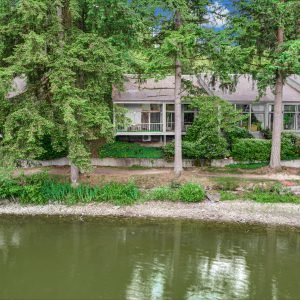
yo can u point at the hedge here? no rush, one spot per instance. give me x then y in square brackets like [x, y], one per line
[260, 150]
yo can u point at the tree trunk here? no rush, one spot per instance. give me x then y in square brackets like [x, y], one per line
[74, 176]
[178, 117]
[275, 162]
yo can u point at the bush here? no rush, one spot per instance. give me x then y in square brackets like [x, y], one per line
[129, 150]
[197, 150]
[191, 192]
[189, 150]
[251, 150]
[236, 133]
[260, 150]
[49, 151]
[119, 194]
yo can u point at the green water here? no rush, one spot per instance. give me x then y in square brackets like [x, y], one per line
[133, 259]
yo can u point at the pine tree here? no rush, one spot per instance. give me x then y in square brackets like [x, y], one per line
[264, 42]
[71, 52]
[176, 41]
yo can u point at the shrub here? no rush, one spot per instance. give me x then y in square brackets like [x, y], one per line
[189, 150]
[119, 194]
[252, 150]
[191, 192]
[10, 189]
[236, 133]
[260, 150]
[50, 152]
[129, 150]
[216, 148]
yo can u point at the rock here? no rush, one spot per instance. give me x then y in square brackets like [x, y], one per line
[295, 190]
[5, 202]
[214, 197]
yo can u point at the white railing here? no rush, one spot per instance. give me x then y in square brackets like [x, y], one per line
[152, 127]
[171, 126]
[144, 127]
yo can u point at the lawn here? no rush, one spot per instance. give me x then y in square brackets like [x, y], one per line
[129, 150]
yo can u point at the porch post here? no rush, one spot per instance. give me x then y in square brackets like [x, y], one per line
[164, 120]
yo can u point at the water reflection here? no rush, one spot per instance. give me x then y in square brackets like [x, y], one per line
[142, 260]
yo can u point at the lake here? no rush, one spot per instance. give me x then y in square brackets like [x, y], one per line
[108, 258]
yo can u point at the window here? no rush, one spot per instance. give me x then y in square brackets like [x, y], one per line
[254, 116]
[289, 117]
[257, 117]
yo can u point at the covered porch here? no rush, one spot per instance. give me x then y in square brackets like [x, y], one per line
[154, 119]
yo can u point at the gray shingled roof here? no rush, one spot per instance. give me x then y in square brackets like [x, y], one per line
[163, 90]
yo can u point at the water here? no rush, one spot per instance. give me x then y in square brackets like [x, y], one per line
[132, 259]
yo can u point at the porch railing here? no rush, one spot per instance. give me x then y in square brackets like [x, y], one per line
[152, 127]
[171, 126]
[144, 127]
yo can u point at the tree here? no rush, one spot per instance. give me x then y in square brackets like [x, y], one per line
[264, 43]
[71, 53]
[176, 41]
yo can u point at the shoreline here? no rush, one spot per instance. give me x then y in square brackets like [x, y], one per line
[236, 212]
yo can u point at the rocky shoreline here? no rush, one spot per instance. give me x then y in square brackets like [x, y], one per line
[240, 212]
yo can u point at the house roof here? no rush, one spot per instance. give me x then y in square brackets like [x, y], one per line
[245, 91]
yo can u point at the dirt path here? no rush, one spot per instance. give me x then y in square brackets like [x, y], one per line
[230, 211]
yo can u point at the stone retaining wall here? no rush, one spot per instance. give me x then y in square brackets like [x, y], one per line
[110, 162]
[143, 162]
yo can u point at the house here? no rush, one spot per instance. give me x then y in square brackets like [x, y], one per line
[150, 106]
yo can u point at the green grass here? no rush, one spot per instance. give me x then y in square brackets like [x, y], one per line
[269, 197]
[229, 196]
[129, 150]
[250, 166]
[188, 192]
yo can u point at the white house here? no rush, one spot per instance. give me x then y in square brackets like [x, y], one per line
[150, 106]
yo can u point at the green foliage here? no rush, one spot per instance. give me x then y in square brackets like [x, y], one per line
[191, 192]
[236, 133]
[129, 150]
[267, 133]
[260, 150]
[163, 193]
[249, 166]
[274, 194]
[229, 196]
[71, 53]
[40, 189]
[205, 138]
[119, 194]
[188, 192]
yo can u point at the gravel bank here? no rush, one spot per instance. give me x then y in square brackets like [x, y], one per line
[230, 211]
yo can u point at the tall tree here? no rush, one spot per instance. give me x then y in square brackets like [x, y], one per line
[176, 40]
[264, 43]
[71, 52]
